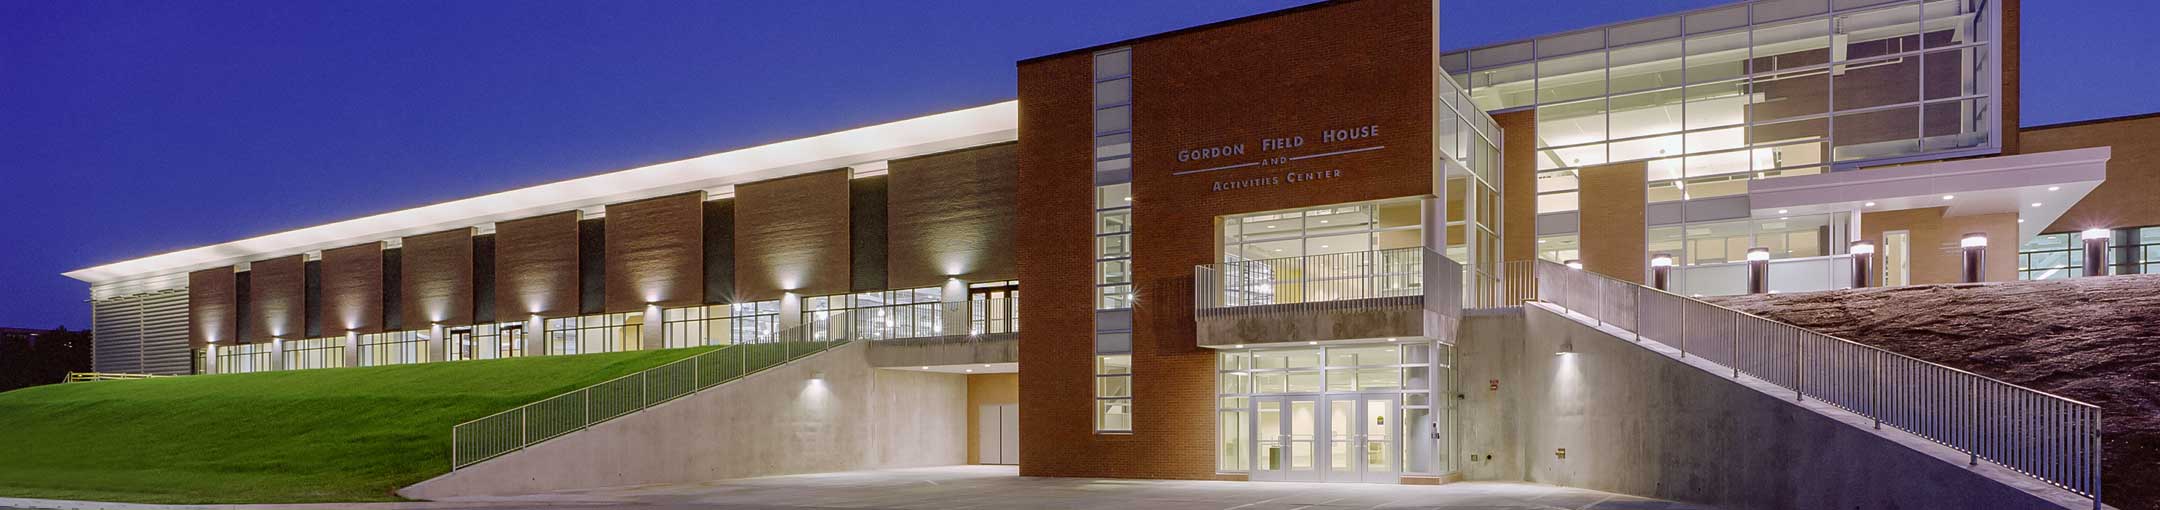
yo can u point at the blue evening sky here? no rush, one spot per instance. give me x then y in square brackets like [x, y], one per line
[130, 128]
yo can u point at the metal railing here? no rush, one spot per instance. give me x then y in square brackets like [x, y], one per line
[1508, 284]
[508, 431]
[1310, 280]
[993, 315]
[106, 376]
[2048, 437]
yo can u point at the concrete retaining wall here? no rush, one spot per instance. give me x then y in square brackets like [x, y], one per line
[776, 422]
[1635, 420]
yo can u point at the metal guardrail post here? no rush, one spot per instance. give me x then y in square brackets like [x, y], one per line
[587, 422]
[1973, 425]
[1799, 354]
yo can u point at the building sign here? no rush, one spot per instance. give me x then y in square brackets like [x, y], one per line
[1277, 152]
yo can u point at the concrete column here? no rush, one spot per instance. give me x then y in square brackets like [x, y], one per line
[1434, 209]
[277, 353]
[1863, 257]
[2096, 245]
[1758, 270]
[954, 307]
[1975, 247]
[1661, 271]
[438, 348]
[652, 335]
[535, 336]
[352, 349]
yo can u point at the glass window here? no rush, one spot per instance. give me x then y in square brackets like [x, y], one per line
[2052, 257]
[1113, 393]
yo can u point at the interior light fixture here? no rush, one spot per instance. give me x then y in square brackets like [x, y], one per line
[1948, 197]
[1783, 211]
[2054, 188]
[1869, 204]
[1312, 343]
[2036, 204]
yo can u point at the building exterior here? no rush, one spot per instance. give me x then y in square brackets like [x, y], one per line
[1246, 245]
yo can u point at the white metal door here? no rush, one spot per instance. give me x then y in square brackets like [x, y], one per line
[1009, 433]
[989, 448]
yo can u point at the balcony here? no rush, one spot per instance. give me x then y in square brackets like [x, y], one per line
[1397, 293]
[991, 335]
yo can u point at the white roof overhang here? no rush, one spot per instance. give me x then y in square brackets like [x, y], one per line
[2052, 180]
[870, 145]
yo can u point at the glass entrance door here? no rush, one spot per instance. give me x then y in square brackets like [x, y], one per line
[1336, 438]
[1285, 429]
[1379, 459]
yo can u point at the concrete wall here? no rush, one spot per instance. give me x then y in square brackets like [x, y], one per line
[776, 422]
[1488, 365]
[1634, 420]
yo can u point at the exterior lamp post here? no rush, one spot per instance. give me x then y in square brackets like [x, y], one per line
[1661, 271]
[2096, 244]
[1863, 255]
[1975, 246]
[1758, 270]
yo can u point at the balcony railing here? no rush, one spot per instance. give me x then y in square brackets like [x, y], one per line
[1384, 277]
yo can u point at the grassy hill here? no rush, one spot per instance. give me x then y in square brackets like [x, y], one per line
[334, 435]
[2090, 339]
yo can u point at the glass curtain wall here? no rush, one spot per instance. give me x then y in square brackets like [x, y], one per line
[1713, 99]
[1269, 256]
[590, 334]
[2062, 255]
[1413, 371]
[1468, 144]
[328, 352]
[393, 348]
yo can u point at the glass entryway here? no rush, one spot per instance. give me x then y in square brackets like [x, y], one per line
[1331, 438]
[1354, 413]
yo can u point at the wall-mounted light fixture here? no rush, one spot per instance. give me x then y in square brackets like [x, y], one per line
[1573, 264]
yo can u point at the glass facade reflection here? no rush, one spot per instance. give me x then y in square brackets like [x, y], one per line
[1716, 98]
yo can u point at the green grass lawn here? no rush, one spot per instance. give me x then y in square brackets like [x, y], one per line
[334, 435]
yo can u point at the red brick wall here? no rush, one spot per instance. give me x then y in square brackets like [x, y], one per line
[536, 267]
[352, 279]
[436, 279]
[213, 313]
[791, 234]
[1335, 66]
[277, 293]
[656, 252]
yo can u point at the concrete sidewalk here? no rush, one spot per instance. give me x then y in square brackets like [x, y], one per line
[993, 487]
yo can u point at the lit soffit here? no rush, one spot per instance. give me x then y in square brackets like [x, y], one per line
[2038, 187]
[930, 134]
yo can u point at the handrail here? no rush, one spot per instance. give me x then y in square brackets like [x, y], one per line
[515, 429]
[106, 376]
[2048, 437]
